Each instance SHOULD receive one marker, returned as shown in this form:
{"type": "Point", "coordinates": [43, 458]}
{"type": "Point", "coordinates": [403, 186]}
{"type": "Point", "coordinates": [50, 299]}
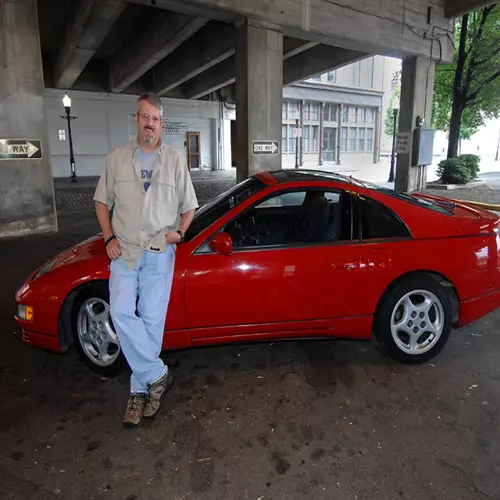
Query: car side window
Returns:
{"type": "Point", "coordinates": [378, 221]}
{"type": "Point", "coordinates": [293, 218]}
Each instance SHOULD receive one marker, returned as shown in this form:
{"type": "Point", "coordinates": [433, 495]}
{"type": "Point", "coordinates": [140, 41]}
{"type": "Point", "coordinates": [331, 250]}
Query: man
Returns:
{"type": "Point", "coordinates": [150, 191]}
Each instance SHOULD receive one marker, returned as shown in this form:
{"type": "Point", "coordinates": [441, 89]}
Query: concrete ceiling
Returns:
{"type": "Point", "coordinates": [455, 8]}
{"type": "Point", "coordinates": [131, 46]}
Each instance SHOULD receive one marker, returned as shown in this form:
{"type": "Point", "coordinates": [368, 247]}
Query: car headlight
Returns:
{"type": "Point", "coordinates": [46, 268]}
{"type": "Point", "coordinates": [25, 313]}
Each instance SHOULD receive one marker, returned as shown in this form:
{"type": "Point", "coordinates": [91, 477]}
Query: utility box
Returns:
{"type": "Point", "coordinates": [423, 147]}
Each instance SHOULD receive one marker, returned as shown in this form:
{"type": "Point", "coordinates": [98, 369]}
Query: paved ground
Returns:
{"type": "Point", "coordinates": [287, 420]}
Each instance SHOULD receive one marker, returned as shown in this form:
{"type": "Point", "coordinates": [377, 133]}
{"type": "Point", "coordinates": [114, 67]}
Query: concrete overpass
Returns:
{"type": "Point", "coordinates": [200, 49]}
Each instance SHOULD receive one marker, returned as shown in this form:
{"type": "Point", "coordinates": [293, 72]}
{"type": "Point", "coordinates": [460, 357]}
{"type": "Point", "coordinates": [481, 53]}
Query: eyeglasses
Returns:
{"type": "Point", "coordinates": [146, 118]}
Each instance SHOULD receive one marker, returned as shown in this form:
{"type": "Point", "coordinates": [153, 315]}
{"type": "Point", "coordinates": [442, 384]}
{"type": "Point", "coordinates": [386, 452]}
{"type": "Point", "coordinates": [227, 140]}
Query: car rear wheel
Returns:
{"type": "Point", "coordinates": [93, 332]}
{"type": "Point", "coordinates": [414, 320]}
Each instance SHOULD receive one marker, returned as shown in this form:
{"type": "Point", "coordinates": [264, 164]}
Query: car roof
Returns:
{"type": "Point", "coordinates": [286, 176]}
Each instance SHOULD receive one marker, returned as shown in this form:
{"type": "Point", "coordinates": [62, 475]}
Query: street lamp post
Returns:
{"type": "Point", "coordinates": [395, 109]}
{"type": "Point", "coordinates": [67, 107]}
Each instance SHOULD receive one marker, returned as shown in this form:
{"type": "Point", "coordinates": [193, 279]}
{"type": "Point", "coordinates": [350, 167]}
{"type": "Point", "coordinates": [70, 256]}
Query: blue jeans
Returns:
{"type": "Point", "coordinates": [141, 335]}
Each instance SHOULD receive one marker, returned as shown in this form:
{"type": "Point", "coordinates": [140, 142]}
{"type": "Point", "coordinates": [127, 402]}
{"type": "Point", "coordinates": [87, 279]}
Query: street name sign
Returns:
{"type": "Point", "coordinates": [20, 149]}
{"type": "Point", "coordinates": [265, 147]}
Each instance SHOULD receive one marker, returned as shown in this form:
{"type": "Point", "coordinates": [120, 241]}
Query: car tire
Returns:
{"type": "Point", "coordinates": [93, 331]}
{"type": "Point", "coordinates": [414, 319]}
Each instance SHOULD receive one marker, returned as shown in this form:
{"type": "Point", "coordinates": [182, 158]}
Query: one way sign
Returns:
{"type": "Point", "coordinates": [265, 147]}
{"type": "Point", "coordinates": [20, 149]}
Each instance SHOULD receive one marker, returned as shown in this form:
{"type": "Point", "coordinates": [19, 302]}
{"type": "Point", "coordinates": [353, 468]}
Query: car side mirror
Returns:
{"type": "Point", "coordinates": [222, 244]}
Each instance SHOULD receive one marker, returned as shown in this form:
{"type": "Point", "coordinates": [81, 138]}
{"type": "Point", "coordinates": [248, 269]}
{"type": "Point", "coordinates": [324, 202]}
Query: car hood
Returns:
{"type": "Point", "coordinates": [91, 248]}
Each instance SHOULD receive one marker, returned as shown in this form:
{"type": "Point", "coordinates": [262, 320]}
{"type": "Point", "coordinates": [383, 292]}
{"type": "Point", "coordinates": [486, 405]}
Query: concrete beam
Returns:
{"type": "Point", "coordinates": [167, 33]}
{"type": "Point", "coordinates": [223, 74]}
{"type": "Point", "coordinates": [382, 27]}
{"type": "Point", "coordinates": [210, 46]}
{"type": "Point", "coordinates": [457, 8]}
{"type": "Point", "coordinates": [293, 47]}
{"type": "Point", "coordinates": [91, 23]}
{"type": "Point", "coordinates": [190, 9]}
{"type": "Point", "coordinates": [316, 61]}
{"type": "Point", "coordinates": [212, 80]}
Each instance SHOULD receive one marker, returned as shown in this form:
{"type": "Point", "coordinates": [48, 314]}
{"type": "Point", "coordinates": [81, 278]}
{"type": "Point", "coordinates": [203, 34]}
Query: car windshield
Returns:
{"type": "Point", "coordinates": [409, 198]}
{"type": "Point", "coordinates": [213, 211]}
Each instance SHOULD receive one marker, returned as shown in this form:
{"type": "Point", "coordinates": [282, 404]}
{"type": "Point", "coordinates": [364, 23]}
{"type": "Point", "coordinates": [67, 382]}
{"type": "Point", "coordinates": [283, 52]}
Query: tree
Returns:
{"type": "Point", "coordinates": [467, 92]}
{"type": "Point", "coordinates": [389, 117]}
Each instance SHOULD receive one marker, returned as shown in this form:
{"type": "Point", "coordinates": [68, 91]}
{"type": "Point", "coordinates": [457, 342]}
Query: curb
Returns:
{"type": "Point", "coordinates": [485, 206]}
{"type": "Point", "coordinates": [472, 184]}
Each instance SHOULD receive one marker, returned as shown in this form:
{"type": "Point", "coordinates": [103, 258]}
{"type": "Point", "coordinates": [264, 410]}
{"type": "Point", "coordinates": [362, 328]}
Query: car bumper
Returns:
{"type": "Point", "coordinates": [45, 342]}
{"type": "Point", "coordinates": [475, 309]}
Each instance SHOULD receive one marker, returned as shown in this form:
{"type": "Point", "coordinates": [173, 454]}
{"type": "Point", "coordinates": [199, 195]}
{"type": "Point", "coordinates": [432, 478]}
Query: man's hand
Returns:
{"type": "Point", "coordinates": [113, 249]}
{"type": "Point", "coordinates": [172, 237]}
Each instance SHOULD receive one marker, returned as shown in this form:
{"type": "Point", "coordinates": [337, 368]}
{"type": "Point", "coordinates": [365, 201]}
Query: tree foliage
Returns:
{"type": "Point", "coordinates": [467, 92]}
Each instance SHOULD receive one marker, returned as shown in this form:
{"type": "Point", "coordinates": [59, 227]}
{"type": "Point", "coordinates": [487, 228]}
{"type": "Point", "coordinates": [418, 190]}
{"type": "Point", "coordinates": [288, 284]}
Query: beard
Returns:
{"type": "Point", "coordinates": [148, 136]}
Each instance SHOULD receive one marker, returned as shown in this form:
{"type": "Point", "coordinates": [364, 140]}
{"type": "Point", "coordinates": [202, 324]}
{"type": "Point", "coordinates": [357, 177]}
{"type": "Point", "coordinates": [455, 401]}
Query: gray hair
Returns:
{"type": "Point", "coordinates": [153, 99]}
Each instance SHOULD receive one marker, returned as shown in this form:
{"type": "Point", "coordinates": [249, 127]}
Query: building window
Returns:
{"type": "Point", "coordinates": [329, 142]}
{"type": "Point", "coordinates": [356, 74]}
{"type": "Point", "coordinates": [332, 76]}
{"type": "Point", "coordinates": [361, 115]}
{"type": "Point", "coordinates": [370, 116]}
{"type": "Point", "coordinates": [330, 113]}
{"type": "Point", "coordinates": [314, 138]}
{"type": "Point", "coordinates": [284, 143]}
{"type": "Point", "coordinates": [306, 110]}
{"type": "Point", "coordinates": [369, 140]}
{"type": "Point", "coordinates": [305, 138]}
{"type": "Point", "coordinates": [361, 140]}
{"type": "Point", "coordinates": [314, 113]}
{"type": "Point", "coordinates": [284, 110]}
{"type": "Point", "coordinates": [369, 73]}
{"type": "Point", "coordinates": [352, 139]}
{"type": "Point", "coordinates": [343, 139]}
{"type": "Point", "coordinates": [293, 110]}
{"type": "Point", "coordinates": [311, 112]}
{"type": "Point", "coordinates": [345, 110]}
{"type": "Point", "coordinates": [292, 141]}
{"type": "Point", "coordinates": [352, 114]}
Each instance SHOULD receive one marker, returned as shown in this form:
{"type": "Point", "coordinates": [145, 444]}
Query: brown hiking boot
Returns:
{"type": "Point", "coordinates": [135, 410]}
{"type": "Point", "coordinates": [157, 391]}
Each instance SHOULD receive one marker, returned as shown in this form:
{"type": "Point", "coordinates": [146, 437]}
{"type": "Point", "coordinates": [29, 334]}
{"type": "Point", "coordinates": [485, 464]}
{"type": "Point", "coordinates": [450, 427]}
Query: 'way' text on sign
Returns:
{"type": "Point", "coordinates": [265, 147]}
{"type": "Point", "coordinates": [20, 149]}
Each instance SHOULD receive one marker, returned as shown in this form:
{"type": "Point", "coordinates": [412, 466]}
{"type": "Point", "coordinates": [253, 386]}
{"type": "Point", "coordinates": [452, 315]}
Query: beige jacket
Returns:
{"type": "Point", "coordinates": [140, 219]}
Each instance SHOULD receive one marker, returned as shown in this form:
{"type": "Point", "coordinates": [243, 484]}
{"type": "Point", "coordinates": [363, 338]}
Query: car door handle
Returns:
{"type": "Point", "coordinates": [348, 265]}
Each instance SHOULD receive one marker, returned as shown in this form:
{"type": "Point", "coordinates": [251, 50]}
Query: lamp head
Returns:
{"type": "Point", "coordinates": [67, 101]}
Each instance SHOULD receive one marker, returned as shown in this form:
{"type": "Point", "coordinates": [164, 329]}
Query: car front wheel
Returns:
{"type": "Point", "coordinates": [414, 320]}
{"type": "Point", "coordinates": [94, 335]}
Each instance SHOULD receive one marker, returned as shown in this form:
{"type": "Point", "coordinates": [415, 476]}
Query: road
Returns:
{"type": "Point", "coordinates": [274, 421]}
{"type": "Point", "coordinates": [491, 178]}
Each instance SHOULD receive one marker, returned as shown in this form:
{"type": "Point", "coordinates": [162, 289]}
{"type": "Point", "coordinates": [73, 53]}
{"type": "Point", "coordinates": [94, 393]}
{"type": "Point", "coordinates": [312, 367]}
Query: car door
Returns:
{"type": "Point", "coordinates": [385, 243]}
{"type": "Point", "coordinates": [294, 259]}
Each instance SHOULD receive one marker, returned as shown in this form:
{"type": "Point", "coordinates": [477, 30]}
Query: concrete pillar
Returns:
{"type": "Point", "coordinates": [339, 133]}
{"type": "Point", "coordinates": [321, 129]}
{"type": "Point", "coordinates": [259, 88]}
{"type": "Point", "coordinates": [26, 188]}
{"type": "Point", "coordinates": [377, 133]}
{"type": "Point", "coordinates": [417, 88]}
{"type": "Point", "coordinates": [301, 138]}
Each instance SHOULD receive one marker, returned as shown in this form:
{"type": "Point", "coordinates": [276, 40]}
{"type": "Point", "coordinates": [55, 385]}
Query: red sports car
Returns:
{"type": "Point", "coordinates": [290, 254]}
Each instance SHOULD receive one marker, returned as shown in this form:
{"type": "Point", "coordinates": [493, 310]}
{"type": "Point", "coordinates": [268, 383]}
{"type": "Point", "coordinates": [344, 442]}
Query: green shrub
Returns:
{"type": "Point", "coordinates": [459, 170]}
{"type": "Point", "coordinates": [471, 162]}
{"type": "Point", "coordinates": [454, 171]}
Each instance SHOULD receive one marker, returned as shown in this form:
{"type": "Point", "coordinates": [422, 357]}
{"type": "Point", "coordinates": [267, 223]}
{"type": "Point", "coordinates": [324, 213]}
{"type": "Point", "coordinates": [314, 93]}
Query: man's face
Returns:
{"type": "Point", "coordinates": [148, 123]}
